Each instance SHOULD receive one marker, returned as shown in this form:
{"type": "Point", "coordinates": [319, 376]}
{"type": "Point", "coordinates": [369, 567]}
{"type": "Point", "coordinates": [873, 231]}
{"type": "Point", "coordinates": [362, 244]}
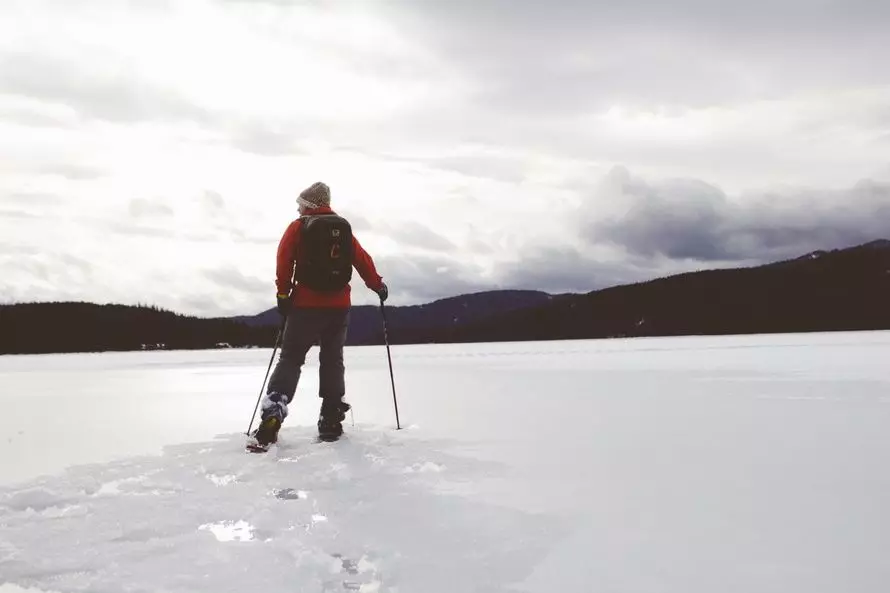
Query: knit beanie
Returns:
{"type": "Point", "coordinates": [315, 196]}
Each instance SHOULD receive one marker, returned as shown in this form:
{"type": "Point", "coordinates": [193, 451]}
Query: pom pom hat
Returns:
{"type": "Point", "coordinates": [317, 195]}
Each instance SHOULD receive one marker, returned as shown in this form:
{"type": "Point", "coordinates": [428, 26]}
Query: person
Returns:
{"type": "Point", "coordinates": [315, 258]}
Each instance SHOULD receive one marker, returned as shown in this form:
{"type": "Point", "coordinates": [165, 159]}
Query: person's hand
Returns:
{"type": "Point", "coordinates": [284, 304]}
{"type": "Point", "coordinates": [382, 292]}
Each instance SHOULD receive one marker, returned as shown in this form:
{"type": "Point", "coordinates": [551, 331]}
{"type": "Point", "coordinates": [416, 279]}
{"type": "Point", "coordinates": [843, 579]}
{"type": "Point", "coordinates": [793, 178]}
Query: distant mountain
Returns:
{"type": "Point", "coordinates": [843, 289]}
{"type": "Point", "coordinates": [443, 315]}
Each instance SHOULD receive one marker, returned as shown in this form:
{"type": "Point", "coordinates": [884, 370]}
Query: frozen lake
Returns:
{"type": "Point", "coordinates": [699, 464]}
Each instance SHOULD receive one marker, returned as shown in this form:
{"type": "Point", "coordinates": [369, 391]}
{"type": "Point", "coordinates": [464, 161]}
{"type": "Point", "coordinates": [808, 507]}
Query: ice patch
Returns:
{"type": "Point", "coordinates": [114, 487]}
{"type": "Point", "coordinates": [228, 531]}
{"type": "Point", "coordinates": [64, 511]}
{"type": "Point", "coordinates": [35, 499]}
{"type": "Point", "coordinates": [392, 528]}
{"type": "Point", "coordinates": [11, 588]}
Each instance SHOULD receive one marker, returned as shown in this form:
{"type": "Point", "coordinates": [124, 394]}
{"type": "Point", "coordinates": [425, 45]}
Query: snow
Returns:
{"type": "Point", "coordinates": [697, 464]}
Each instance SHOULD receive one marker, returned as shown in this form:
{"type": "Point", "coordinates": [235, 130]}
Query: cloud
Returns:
{"type": "Point", "coordinates": [213, 203]}
{"type": "Point", "coordinates": [35, 113]}
{"type": "Point", "coordinates": [421, 278]}
{"type": "Point", "coordinates": [267, 138]}
{"type": "Point", "coordinates": [39, 274]}
{"type": "Point", "coordinates": [358, 222]}
{"type": "Point", "coordinates": [115, 95]}
{"type": "Point", "coordinates": [33, 198]}
{"type": "Point", "coordinates": [413, 234]}
{"type": "Point", "coordinates": [567, 269]}
{"type": "Point", "coordinates": [137, 229]}
{"type": "Point", "coordinates": [524, 55]}
{"type": "Point", "coordinates": [469, 143]}
{"type": "Point", "coordinates": [142, 208]}
{"type": "Point", "coordinates": [71, 171]}
{"type": "Point", "coordinates": [230, 277]}
{"type": "Point", "coordinates": [23, 214]}
{"type": "Point", "coordinates": [494, 164]}
{"type": "Point", "coordinates": [693, 220]}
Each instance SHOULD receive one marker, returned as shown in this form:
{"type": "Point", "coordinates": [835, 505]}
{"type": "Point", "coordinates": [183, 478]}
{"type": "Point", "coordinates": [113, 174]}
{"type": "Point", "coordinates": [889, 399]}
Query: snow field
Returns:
{"type": "Point", "coordinates": [688, 465]}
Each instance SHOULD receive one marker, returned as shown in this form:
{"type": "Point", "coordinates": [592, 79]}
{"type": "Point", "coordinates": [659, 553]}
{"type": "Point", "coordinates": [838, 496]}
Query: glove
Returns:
{"type": "Point", "coordinates": [284, 304]}
{"type": "Point", "coordinates": [382, 292]}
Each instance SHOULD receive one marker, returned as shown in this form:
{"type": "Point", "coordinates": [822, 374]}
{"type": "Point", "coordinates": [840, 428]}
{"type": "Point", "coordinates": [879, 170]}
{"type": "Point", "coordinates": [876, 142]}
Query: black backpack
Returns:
{"type": "Point", "coordinates": [324, 260]}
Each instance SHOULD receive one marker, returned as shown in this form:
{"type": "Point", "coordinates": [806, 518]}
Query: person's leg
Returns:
{"type": "Point", "coordinates": [331, 372]}
{"type": "Point", "coordinates": [331, 369]}
{"type": "Point", "coordinates": [300, 333]}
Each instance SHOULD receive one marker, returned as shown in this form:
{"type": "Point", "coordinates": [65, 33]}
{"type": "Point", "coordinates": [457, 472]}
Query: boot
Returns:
{"type": "Point", "coordinates": [274, 412]}
{"type": "Point", "coordinates": [330, 418]}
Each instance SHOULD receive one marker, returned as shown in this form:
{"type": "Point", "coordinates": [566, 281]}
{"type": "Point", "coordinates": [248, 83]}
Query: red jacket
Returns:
{"type": "Point", "coordinates": [302, 296]}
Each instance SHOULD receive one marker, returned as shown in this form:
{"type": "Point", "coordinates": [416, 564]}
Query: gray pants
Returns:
{"type": "Point", "coordinates": [306, 327]}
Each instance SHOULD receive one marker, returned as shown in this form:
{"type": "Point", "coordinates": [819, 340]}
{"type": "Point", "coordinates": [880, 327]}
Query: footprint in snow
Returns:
{"type": "Point", "coordinates": [360, 575]}
{"type": "Point", "coordinates": [290, 494]}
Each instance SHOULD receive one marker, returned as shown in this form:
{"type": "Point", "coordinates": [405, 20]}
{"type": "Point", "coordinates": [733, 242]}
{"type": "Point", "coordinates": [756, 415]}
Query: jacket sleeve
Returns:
{"type": "Point", "coordinates": [286, 259]}
{"type": "Point", "coordinates": [365, 266]}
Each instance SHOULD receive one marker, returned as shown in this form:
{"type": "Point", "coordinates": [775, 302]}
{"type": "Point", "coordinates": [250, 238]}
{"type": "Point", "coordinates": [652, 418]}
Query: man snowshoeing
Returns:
{"type": "Point", "coordinates": [315, 258]}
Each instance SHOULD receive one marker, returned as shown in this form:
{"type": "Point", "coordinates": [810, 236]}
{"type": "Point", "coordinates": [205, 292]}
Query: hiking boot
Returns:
{"type": "Point", "coordinates": [274, 413]}
{"type": "Point", "coordinates": [330, 418]}
{"type": "Point", "coordinates": [267, 432]}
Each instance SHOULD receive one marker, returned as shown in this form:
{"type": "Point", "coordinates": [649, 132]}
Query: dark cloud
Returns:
{"type": "Point", "coordinates": [651, 230]}
{"type": "Point", "coordinates": [690, 219]}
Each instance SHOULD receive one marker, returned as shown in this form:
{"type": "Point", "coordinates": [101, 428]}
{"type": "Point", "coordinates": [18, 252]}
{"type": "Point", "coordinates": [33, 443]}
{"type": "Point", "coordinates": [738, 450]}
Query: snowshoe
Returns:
{"type": "Point", "coordinates": [266, 435]}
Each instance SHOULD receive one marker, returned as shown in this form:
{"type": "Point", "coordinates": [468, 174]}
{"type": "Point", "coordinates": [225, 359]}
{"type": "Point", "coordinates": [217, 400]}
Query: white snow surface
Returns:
{"type": "Point", "coordinates": [689, 465]}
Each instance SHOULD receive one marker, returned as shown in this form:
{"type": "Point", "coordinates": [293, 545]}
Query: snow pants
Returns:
{"type": "Point", "coordinates": [306, 327]}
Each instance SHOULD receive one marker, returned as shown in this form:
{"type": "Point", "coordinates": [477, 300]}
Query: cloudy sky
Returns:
{"type": "Point", "coordinates": [151, 150]}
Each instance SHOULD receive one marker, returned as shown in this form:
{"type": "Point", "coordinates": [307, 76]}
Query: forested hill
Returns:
{"type": "Point", "coordinates": [845, 289]}
{"type": "Point", "coordinates": [86, 327]}
{"type": "Point", "coordinates": [442, 315]}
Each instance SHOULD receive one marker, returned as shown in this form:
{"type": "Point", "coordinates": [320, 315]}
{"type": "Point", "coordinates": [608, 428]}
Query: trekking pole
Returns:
{"type": "Point", "coordinates": [260, 396]}
{"type": "Point", "coordinates": [389, 356]}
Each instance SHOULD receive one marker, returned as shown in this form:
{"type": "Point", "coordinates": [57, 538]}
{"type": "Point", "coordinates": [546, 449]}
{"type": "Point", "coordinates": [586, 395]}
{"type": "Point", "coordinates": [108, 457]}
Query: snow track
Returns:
{"type": "Point", "coordinates": [377, 511]}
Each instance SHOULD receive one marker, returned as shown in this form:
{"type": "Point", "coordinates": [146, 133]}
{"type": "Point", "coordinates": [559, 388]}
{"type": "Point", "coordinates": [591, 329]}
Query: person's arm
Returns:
{"type": "Point", "coordinates": [286, 258]}
{"type": "Point", "coordinates": [365, 266]}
